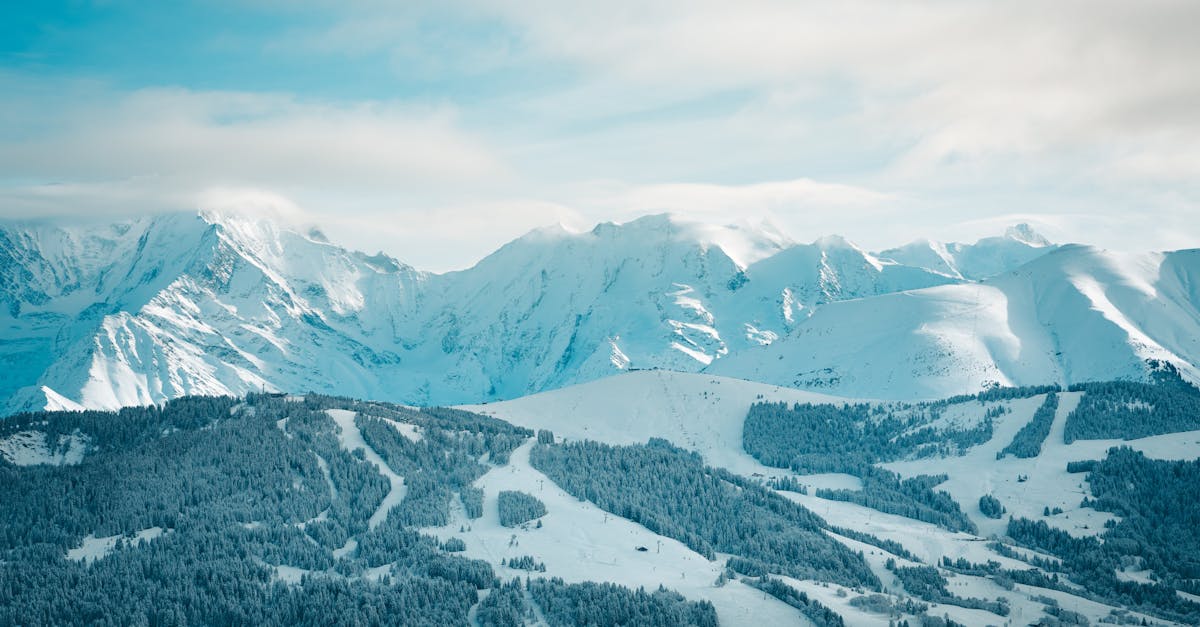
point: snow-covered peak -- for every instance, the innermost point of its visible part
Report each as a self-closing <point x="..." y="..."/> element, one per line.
<point x="834" y="241"/>
<point x="744" y="242"/>
<point x="47" y="259"/>
<point x="1025" y="234"/>
<point x="985" y="258"/>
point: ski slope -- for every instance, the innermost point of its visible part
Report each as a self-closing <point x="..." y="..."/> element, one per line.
<point x="580" y="542"/>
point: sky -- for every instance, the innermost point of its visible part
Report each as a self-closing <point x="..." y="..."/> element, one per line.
<point x="438" y="131"/>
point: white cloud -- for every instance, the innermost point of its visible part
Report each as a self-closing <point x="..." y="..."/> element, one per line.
<point x="178" y="142"/>
<point x="953" y="80"/>
<point x="445" y="237"/>
<point x="802" y="207"/>
<point x="937" y="118"/>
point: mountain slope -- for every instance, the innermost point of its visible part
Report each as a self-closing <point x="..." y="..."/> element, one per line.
<point x="1077" y="314"/>
<point x="242" y="305"/>
<point x="701" y="412"/>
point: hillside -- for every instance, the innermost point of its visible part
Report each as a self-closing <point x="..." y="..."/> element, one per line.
<point x="1074" y="315"/>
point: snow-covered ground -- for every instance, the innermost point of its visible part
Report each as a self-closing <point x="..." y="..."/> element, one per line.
<point x="94" y="548"/>
<point x="1047" y="483"/>
<point x="29" y="448"/>
<point x="706" y="413"/>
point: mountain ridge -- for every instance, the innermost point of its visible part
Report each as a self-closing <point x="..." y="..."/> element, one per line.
<point x="226" y="304"/>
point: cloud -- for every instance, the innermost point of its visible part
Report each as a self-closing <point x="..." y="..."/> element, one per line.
<point x="444" y="237"/>
<point x="878" y="120"/>
<point x="800" y="207"/>
<point x="947" y="80"/>
<point x="174" y="143"/>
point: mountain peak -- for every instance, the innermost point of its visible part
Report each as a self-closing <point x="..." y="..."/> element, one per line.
<point x="1025" y="234"/>
<point x="833" y="241"/>
<point x="744" y="243"/>
<point x="650" y="223"/>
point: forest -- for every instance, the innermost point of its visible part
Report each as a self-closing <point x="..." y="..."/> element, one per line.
<point x="671" y="492"/>
<point x="239" y="492"/>
<point x="1157" y="531"/>
<point x="517" y="508"/>
<point x="820" y="615"/>
<point x="251" y="511"/>
<point x="1127" y="410"/>
<point x="926" y="583"/>
<point x="1027" y="443"/>
<point x="814" y="438"/>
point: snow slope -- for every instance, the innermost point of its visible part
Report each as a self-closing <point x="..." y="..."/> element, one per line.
<point x="106" y="315"/>
<point x="699" y="412"/>
<point x="1077" y="314"/>
<point x="580" y="542"/>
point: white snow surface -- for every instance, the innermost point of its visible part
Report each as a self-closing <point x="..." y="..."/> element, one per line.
<point x="705" y="414"/>
<point x="580" y="542"/>
<point x="1075" y="314"/>
<point x="1047" y="484"/>
<point x="29" y="448"/>
<point x="94" y="548"/>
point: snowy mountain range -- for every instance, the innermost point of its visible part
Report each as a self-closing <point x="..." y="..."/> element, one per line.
<point x="136" y="312"/>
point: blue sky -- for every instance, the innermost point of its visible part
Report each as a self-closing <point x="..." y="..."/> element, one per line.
<point x="437" y="131"/>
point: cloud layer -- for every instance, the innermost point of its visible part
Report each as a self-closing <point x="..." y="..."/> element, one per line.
<point x="472" y="121"/>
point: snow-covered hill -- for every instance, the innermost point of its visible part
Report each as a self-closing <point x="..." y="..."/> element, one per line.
<point x="105" y="315"/>
<point x="702" y="412"/>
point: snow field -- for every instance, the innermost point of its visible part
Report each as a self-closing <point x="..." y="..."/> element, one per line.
<point x="29" y="448"/>
<point x="699" y="412"/>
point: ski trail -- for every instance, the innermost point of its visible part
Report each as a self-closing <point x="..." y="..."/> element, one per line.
<point x="324" y="466"/>
<point x="351" y="439"/>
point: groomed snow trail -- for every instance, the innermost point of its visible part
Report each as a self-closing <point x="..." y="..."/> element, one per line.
<point x="351" y="439"/>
